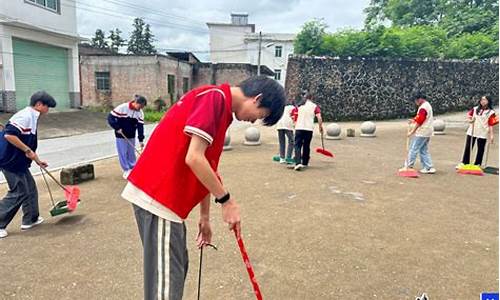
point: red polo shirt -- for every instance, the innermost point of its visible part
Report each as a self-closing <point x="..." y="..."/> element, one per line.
<point x="161" y="171"/>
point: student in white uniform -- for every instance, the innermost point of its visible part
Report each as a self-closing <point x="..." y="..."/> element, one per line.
<point x="303" y="116"/>
<point x="285" y="131"/>
<point x="482" y="118"/>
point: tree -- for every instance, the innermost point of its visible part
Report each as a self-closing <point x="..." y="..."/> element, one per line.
<point x="116" y="41"/>
<point x="148" y="40"/>
<point x="141" y="39"/>
<point x="99" y="40"/>
<point x="310" y="38"/>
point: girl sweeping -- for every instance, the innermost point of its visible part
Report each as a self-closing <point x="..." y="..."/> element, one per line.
<point x="482" y="118"/>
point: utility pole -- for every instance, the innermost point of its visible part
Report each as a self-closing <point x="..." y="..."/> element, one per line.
<point x="258" y="57"/>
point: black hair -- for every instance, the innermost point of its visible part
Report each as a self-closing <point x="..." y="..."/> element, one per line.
<point x="419" y="95"/>
<point x="273" y="96"/>
<point x="140" y="100"/>
<point x="490" y="102"/>
<point x="44" y="98"/>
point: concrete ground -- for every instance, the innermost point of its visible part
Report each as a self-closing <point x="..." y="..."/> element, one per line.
<point x="346" y="228"/>
<point x="60" y="124"/>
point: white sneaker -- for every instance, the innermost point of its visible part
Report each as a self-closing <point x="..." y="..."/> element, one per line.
<point x="459" y="166"/>
<point x="282" y="161"/>
<point x="38" y="222"/>
<point x="3" y="233"/>
<point x="428" y="171"/>
<point x="299" y="167"/>
<point x="126" y="173"/>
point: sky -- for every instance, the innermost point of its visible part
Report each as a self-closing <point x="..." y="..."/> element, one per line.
<point x="181" y="24"/>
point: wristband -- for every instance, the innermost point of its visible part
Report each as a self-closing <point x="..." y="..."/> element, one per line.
<point x="223" y="199"/>
<point x="27" y="150"/>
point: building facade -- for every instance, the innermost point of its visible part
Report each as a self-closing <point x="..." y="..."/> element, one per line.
<point x="108" y="80"/>
<point x="237" y="42"/>
<point x="38" y="51"/>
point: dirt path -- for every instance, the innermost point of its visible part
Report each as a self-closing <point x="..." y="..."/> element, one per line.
<point x="346" y="228"/>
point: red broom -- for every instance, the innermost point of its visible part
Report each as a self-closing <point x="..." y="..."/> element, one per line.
<point x="322" y="150"/>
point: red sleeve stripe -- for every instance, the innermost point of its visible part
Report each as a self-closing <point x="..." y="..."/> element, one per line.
<point x="117" y="114"/>
<point x="22" y="129"/>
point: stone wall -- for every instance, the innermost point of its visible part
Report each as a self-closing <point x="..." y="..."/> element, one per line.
<point x="362" y="89"/>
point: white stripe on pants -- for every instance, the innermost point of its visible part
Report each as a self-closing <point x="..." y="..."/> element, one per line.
<point x="165" y="256"/>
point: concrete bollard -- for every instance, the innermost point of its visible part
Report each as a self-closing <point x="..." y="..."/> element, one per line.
<point x="439" y="126"/>
<point x="252" y="136"/>
<point x="333" y="131"/>
<point x="227" y="142"/>
<point x="368" y="129"/>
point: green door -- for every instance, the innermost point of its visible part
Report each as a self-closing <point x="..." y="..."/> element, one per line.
<point x="40" y="67"/>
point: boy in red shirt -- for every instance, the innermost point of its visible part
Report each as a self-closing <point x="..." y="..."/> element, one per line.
<point x="177" y="170"/>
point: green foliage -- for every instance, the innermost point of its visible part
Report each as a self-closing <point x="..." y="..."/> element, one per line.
<point x="310" y="38"/>
<point x="151" y="115"/>
<point x="116" y="40"/>
<point x="418" y="29"/>
<point x="141" y="39"/>
<point x="99" y="40"/>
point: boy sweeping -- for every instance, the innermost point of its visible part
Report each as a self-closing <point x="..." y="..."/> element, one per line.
<point x="126" y="119"/>
<point x="177" y="171"/>
<point x="18" y="143"/>
<point x="422" y="131"/>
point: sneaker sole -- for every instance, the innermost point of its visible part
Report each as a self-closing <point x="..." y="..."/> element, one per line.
<point x="27" y="227"/>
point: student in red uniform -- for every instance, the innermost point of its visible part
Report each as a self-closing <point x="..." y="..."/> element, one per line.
<point x="482" y="117"/>
<point x="177" y="171"/>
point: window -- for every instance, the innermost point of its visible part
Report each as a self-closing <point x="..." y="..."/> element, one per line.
<point x="171" y="84"/>
<point x="185" y="85"/>
<point x="278" y="51"/>
<point x="102" y="81"/>
<point x="48" y="4"/>
<point x="277" y="74"/>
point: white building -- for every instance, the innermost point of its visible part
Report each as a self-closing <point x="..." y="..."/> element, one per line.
<point x="38" y="51"/>
<point x="237" y="42"/>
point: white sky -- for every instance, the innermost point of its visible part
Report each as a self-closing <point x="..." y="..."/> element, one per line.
<point x="181" y="25"/>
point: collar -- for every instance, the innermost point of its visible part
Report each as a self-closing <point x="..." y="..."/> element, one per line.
<point x="35" y="113"/>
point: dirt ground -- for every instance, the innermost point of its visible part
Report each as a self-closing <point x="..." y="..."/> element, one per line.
<point x="346" y="228"/>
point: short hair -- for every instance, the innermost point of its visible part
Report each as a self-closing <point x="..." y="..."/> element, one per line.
<point x="44" y="98"/>
<point x="419" y="95"/>
<point x="140" y="100"/>
<point x="273" y="96"/>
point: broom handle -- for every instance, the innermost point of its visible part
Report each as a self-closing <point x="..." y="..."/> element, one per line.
<point x="487" y="152"/>
<point x="322" y="142"/>
<point x="48" y="187"/>
<point x="199" y="272"/>
<point x="53" y="178"/>
<point x="472" y="136"/>
<point x="132" y="145"/>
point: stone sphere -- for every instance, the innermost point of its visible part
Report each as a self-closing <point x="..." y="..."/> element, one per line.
<point x="368" y="128"/>
<point x="439" y="125"/>
<point x="227" y="139"/>
<point x="333" y="129"/>
<point x="227" y="142"/>
<point x="252" y="136"/>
